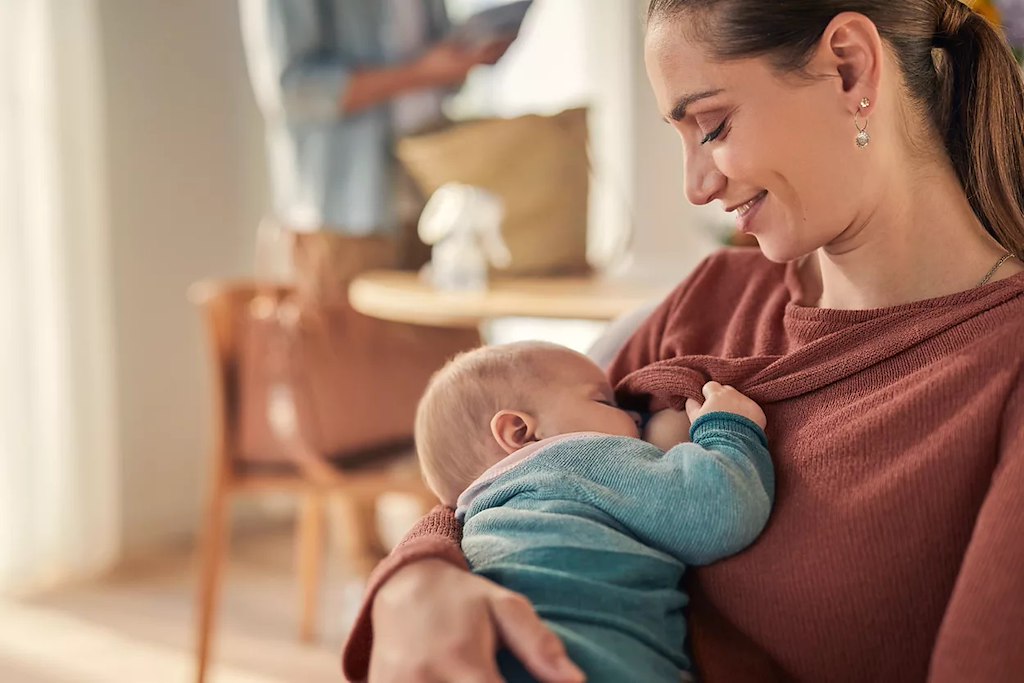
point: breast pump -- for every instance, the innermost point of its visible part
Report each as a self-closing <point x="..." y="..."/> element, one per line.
<point x="462" y="223"/>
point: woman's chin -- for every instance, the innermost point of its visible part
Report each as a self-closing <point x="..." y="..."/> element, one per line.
<point x="774" y="252"/>
<point x="781" y="252"/>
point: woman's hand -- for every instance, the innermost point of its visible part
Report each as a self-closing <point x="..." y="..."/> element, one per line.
<point x="435" y="622"/>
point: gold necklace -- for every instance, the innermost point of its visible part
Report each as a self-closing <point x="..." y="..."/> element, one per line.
<point x="1003" y="259"/>
<point x="988" y="276"/>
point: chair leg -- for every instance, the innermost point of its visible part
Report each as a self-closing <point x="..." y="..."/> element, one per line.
<point x="212" y="552"/>
<point x="310" y="551"/>
<point x="359" y="540"/>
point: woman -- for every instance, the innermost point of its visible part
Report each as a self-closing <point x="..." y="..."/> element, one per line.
<point x="874" y="149"/>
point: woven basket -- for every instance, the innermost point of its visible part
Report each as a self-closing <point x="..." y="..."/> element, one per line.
<point x="537" y="164"/>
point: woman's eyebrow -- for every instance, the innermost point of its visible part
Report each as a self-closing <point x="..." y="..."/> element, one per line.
<point x="679" y="110"/>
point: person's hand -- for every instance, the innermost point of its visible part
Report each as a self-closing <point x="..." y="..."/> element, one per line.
<point x="491" y="52"/>
<point x="666" y="428"/>
<point x="446" y="64"/>
<point x="435" y="622"/>
<point x="719" y="398"/>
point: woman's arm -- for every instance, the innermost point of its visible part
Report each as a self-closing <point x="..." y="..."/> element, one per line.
<point x="436" y="621"/>
<point x="982" y="634"/>
<point x="436" y="536"/>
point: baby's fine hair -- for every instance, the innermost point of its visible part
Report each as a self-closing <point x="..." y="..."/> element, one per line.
<point x="453" y="420"/>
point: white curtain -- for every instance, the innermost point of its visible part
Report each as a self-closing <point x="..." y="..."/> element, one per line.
<point x="59" y="488"/>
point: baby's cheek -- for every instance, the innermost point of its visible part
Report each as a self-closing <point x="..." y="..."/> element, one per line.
<point x="621" y="424"/>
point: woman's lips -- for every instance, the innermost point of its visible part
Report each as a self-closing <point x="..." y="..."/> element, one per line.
<point x="746" y="211"/>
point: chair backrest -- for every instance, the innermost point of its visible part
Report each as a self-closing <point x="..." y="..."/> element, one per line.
<point x="224" y="306"/>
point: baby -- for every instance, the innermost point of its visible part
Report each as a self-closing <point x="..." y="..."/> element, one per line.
<point x="563" y="503"/>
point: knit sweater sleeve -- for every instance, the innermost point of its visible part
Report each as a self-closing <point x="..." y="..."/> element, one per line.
<point x="721" y="496"/>
<point x="436" y="536"/>
<point x="699" y="502"/>
<point x="980" y="635"/>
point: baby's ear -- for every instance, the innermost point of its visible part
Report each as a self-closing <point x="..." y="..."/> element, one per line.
<point x="513" y="429"/>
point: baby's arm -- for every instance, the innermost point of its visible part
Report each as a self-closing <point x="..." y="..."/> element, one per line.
<point x="730" y="425"/>
<point x="700" y="501"/>
<point x="709" y="499"/>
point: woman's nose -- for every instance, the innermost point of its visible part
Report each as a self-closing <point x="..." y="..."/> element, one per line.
<point x="703" y="181"/>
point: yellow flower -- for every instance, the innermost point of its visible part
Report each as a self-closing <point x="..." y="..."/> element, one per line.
<point x="987" y="9"/>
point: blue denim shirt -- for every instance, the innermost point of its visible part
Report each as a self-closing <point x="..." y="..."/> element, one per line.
<point x="328" y="170"/>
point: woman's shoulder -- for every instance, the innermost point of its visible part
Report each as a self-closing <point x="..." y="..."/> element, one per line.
<point x="1000" y="327"/>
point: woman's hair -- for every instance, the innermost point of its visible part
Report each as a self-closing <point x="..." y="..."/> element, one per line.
<point x="958" y="70"/>
<point x="453" y="420"/>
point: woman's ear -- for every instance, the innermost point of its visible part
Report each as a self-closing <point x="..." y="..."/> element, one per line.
<point x="851" y="49"/>
<point x="513" y="429"/>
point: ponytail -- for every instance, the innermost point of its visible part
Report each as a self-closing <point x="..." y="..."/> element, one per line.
<point x="981" y="118"/>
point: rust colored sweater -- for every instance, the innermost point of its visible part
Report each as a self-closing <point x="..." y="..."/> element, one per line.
<point x="896" y="548"/>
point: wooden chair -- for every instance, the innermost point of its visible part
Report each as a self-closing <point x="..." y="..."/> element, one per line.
<point x="311" y="476"/>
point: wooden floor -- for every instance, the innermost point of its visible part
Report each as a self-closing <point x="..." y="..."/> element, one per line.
<point x="137" y="627"/>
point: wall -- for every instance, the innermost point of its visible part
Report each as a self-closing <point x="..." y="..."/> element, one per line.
<point x="186" y="186"/>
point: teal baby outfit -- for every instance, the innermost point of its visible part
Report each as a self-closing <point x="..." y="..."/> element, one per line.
<point x="597" y="531"/>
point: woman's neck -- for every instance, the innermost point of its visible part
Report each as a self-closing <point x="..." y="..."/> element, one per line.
<point x="923" y="242"/>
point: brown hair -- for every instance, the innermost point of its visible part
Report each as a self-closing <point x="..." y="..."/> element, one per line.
<point x="957" y="67"/>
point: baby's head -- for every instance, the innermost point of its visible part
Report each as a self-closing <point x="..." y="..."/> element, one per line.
<point x="492" y="401"/>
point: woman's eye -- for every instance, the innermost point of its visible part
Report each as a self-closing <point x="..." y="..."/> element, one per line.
<point x="713" y="135"/>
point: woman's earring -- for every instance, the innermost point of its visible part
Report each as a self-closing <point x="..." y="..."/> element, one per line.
<point x="863" y="138"/>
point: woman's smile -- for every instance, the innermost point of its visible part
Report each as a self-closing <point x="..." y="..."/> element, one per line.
<point x="746" y="211"/>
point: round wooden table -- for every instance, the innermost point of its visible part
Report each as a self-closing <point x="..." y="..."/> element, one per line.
<point x="404" y="297"/>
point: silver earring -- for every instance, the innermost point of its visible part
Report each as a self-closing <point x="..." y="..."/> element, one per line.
<point x="863" y="137"/>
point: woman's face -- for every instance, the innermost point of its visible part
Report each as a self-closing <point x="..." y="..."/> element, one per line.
<point x="778" y="152"/>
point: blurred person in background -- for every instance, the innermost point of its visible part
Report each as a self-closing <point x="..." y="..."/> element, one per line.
<point x="338" y="81"/>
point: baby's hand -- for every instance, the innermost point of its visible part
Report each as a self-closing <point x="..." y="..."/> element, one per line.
<point x="719" y="398"/>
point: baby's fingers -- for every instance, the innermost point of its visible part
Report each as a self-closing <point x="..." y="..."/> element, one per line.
<point x="711" y="388"/>
<point x="692" y="409"/>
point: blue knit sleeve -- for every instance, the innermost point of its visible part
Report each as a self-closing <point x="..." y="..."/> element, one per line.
<point x="699" y="502"/>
